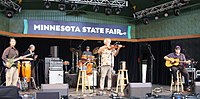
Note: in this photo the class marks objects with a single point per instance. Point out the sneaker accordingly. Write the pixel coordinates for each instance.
(188, 89)
(108, 90)
(100, 93)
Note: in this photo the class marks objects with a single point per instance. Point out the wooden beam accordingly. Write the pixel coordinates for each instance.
(9, 34)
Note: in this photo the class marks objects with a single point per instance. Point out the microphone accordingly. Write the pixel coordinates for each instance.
(117, 42)
(148, 45)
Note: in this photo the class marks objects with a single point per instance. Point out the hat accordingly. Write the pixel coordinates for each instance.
(87, 47)
(177, 47)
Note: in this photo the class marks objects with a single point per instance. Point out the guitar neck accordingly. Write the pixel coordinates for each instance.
(16, 59)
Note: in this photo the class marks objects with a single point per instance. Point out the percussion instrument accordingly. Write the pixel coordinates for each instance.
(66, 63)
(95, 50)
(91, 59)
(123, 65)
(19, 67)
(27, 70)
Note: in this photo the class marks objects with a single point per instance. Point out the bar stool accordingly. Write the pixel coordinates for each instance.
(82, 77)
(178, 83)
(121, 79)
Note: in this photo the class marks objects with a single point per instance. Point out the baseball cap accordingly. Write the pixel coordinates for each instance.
(177, 47)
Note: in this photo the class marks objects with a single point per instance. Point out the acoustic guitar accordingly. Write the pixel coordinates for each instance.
(176, 62)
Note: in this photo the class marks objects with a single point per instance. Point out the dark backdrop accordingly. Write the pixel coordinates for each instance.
(133, 54)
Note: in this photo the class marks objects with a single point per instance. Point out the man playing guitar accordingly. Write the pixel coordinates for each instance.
(176, 62)
(11, 72)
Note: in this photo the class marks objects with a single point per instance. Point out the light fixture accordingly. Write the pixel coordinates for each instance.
(134, 16)
(156, 17)
(74, 6)
(118, 10)
(166, 14)
(160, 8)
(96, 8)
(47, 4)
(61, 7)
(9, 13)
(145, 21)
(108, 9)
(184, 1)
(176, 12)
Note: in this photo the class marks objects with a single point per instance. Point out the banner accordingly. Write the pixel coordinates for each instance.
(60, 28)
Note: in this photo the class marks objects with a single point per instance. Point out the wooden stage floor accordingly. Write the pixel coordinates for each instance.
(94, 93)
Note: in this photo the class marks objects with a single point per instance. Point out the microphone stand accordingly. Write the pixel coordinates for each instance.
(77, 54)
(152, 59)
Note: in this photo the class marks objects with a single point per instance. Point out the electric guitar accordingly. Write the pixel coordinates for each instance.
(13, 60)
(176, 62)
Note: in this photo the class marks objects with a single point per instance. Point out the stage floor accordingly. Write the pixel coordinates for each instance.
(94, 94)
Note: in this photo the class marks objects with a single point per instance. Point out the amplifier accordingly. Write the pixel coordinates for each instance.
(56, 63)
(198, 74)
(63, 89)
(48, 59)
(56, 77)
(47, 65)
(56, 68)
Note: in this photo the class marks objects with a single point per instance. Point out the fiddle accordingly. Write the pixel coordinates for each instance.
(115, 46)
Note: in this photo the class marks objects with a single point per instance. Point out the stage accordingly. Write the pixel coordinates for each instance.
(71, 79)
(94, 94)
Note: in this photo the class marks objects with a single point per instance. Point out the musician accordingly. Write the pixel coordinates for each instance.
(85, 57)
(87, 52)
(11, 72)
(181, 57)
(32, 59)
(107, 53)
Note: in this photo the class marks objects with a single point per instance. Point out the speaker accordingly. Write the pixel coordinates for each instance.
(54, 51)
(197, 87)
(9, 92)
(63, 89)
(47, 95)
(138, 90)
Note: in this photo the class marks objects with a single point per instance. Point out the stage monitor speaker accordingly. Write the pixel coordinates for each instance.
(138, 90)
(63, 89)
(47, 95)
(9, 92)
(54, 51)
(197, 87)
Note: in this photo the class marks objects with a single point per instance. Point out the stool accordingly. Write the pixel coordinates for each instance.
(82, 77)
(121, 78)
(178, 84)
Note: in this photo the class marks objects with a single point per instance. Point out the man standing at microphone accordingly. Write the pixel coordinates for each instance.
(107, 53)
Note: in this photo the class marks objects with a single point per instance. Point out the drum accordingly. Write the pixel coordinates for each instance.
(91, 59)
(27, 70)
(19, 67)
(84, 57)
(123, 65)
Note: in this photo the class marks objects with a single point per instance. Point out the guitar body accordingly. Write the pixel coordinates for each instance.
(11, 62)
(170, 64)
